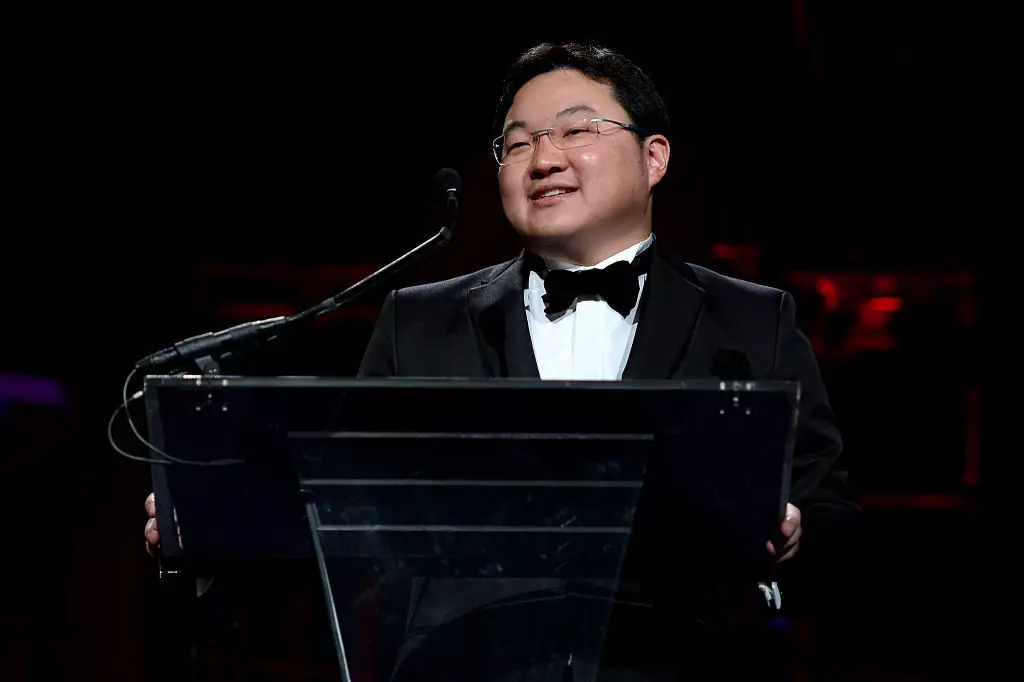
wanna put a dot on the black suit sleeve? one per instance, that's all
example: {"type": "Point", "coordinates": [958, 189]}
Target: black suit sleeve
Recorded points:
{"type": "Point", "coordinates": [820, 482]}
{"type": "Point", "coordinates": [381, 356]}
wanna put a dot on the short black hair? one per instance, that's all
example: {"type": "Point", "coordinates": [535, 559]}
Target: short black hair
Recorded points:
{"type": "Point", "coordinates": [630, 86]}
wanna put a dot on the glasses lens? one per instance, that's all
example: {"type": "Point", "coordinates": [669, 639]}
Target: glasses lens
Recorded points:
{"type": "Point", "coordinates": [574, 133]}
{"type": "Point", "coordinates": [498, 149]}
{"type": "Point", "coordinates": [513, 146]}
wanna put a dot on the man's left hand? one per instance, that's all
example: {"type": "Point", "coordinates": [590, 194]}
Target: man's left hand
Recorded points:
{"type": "Point", "coordinates": [792, 531]}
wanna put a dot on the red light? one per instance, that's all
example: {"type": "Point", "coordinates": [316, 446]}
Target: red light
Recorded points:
{"type": "Point", "coordinates": [829, 292]}
{"type": "Point", "coordinates": [724, 251]}
{"type": "Point", "coordinates": [885, 304]}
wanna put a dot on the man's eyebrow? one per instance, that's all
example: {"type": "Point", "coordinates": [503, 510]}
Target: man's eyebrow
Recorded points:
{"type": "Point", "coordinates": [513, 125]}
{"type": "Point", "coordinates": [575, 109]}
{"type": "Point", "coordinates": [568, 111]}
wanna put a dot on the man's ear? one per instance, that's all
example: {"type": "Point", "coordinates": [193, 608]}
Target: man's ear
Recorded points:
{"type": "Point", "coordinates": [657, 151]}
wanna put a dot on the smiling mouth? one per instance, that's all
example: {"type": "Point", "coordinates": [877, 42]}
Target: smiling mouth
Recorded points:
{"type": "Point", "coordinates": [552, 194]}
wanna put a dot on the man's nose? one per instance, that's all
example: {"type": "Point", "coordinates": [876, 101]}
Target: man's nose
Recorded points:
{"type": "Point", "coordinates": [547, 158]}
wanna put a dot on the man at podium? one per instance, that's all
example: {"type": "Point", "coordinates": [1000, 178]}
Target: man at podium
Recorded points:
{"type": "Point", "coordinates": [580, 145]}
{"type": "Point", "coordinates": [580, 149]}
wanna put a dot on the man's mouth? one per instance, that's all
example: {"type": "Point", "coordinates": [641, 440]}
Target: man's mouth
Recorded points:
{"type": "Point", "coordinates": [551, 195]}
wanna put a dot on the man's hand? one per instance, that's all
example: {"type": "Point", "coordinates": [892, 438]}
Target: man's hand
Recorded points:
{"type": "Point", "coordinates": [151, 532]}
{"type": "Point", "coordinates": [792, 531]}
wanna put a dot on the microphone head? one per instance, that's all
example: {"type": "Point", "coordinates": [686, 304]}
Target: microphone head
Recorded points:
{"type": "Point", "coordinates": [448, 183]}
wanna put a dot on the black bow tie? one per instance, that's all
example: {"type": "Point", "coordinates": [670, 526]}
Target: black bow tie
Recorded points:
{"type": "Point", "coordinates": [617, 284]}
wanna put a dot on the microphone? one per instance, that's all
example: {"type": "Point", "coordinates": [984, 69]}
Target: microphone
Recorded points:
{"type": "Point", "coordinates": [207, 344]}
{"type": "Point", "coordinates": [449, 185]}
{"type": "Point", "coordinates": [446, 181]}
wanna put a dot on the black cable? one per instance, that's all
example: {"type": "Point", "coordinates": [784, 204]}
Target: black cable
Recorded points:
{"type": "Point", "coordinates": [113, 444]}
{"type": "Point", "coordinates": [166, 458]}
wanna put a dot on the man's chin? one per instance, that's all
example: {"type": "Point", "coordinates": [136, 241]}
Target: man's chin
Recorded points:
{"type": "Point", "coordinates": [550, 234]}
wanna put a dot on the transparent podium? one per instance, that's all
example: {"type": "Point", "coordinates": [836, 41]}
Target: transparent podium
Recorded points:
{"type": "Point", "coordinates": [476, 529]}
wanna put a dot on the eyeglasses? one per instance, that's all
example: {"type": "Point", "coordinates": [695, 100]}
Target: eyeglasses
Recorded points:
{"type": "Point", "coordinates": [520, 145]}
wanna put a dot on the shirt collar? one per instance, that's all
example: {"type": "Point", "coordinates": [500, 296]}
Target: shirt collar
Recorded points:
{"type": "Point", "coordinates": [626, 254]}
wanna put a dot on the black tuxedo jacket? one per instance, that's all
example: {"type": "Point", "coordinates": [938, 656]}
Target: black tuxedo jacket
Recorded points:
{"type": "Point", "coordinates": [693, 323]}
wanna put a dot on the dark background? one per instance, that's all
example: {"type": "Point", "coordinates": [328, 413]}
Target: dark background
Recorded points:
{"type": "Point", "coordinates": [162, 182]}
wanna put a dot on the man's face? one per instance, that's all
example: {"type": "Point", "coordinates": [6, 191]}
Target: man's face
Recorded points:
{"type": "Point", "coordinates": [608, 182]}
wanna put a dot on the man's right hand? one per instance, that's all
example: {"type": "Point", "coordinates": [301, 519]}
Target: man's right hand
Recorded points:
{"type": "Point", "coordinates": [151, 532]}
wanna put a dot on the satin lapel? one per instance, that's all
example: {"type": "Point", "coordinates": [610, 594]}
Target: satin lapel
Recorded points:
{"type": "Point", "coordinates": [670, 310]}
{"type": "Point", "coordinates": [498, 317]}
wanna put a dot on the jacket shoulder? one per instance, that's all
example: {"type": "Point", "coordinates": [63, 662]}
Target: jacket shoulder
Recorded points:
{"type": "Point", "coordinates": [736, 290]}
{"type": "Point", "coordinates": [455, 287]}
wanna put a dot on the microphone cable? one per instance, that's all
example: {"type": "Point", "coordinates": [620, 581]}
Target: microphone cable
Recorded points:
{"type": "Point", "coordinates": [162, 457]}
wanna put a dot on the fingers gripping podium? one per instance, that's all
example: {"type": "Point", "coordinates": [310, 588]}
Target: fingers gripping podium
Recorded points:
{"type": "Point", "coordinates": [486, 528]}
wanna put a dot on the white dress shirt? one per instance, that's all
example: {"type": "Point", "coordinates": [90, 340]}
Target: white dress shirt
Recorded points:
{"type": "Point", "coordinates": [590, 340]}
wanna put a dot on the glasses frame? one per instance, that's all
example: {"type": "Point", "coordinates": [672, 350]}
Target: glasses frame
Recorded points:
{"type": "Point", "coordinates": [535, 139]}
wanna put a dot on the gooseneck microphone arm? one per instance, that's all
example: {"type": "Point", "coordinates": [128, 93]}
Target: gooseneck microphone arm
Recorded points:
{"type": "Point", "coordinates": [204, 349]}
{"type": "Point", "coordinates": [370, 281]}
